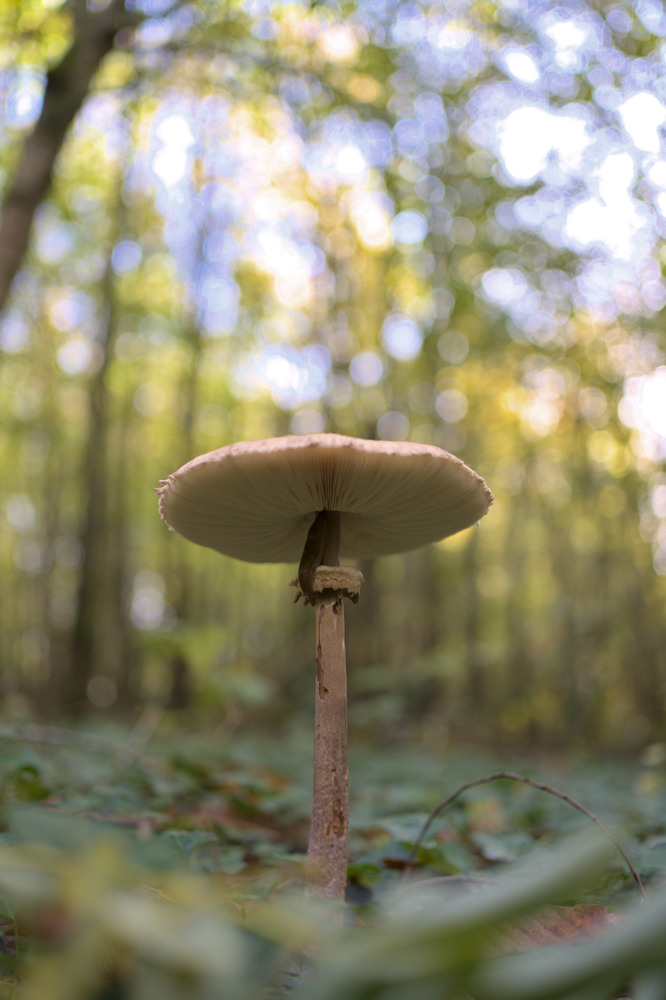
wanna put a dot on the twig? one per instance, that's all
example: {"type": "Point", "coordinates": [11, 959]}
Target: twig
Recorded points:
{"type": "Point", "coordinates": [511, 776]}
{"type": "Point", "coordinates": [144, 729]}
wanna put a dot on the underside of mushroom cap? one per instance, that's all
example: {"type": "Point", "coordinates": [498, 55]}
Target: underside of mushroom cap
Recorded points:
{"type": "Point", "coordinates": [256, 500]}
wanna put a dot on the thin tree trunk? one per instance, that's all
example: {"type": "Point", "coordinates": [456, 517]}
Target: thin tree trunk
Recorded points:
{"type": "Point", "coordinates": [123, 659]}
{"type": "Point", "coordinates": [645, 654]}
{"type": "Point", "coordinates": [181, 681]}
{"type": "Point", "coordinates": [67, 85]}
{"type": "Point", "coordinates": [518, 678]}
{"type": "Point", "coordinates": [475, 677]}
{"type": "Point", "coordinates": [88, 638]}
{"type": "Point", "coordinates": [93, 576]}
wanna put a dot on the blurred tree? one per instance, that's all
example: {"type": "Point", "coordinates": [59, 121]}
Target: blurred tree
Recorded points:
{"type": "Point", "coordinates": [92, 29]}
{"type": "Point", "coordinates": [99, 637]}
{"type": "Point", "coordinates": [397, 221]}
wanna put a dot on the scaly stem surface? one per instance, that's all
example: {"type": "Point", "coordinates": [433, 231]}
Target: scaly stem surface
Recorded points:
{"type": "Point", "coordinates": [329, 828]}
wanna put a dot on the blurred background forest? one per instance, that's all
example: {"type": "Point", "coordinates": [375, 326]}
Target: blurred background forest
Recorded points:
{"type": "Point", "coordinates": [427, 221]}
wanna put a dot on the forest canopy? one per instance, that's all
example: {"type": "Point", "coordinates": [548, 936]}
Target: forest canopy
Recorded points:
{"type": "Point", "coordinates": [436, 222]}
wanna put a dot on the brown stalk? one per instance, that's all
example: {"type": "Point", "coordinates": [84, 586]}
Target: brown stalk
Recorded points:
{"type": "Point", "coordinates": [326, 870]}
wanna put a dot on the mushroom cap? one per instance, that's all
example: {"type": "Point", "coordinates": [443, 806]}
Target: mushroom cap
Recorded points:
{"type": "Point", "coordinates": [256, 500]}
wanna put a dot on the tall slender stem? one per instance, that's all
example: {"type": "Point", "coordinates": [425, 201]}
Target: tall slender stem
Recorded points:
{"type": "Point", "coordinates": [329, 829]}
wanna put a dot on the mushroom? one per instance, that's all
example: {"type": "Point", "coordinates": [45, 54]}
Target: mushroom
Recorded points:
{"type": "Point", "coordinates": [313, 498]}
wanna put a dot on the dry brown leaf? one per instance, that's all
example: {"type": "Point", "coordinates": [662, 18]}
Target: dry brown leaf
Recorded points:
{"type": "Point", "coordinates": [554, 925]}
{"type": "Point", "coordinates": [209, 815]}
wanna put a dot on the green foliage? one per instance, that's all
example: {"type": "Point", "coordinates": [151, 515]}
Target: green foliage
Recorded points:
{"type": "Point", "coordinates": [181, 877]}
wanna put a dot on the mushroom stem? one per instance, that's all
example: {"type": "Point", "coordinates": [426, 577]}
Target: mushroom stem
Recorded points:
{"type": "Point", "coordinates": [326, 871]}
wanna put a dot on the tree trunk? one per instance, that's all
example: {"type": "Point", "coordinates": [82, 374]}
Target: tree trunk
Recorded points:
{"type": "Point", "coordinates": [179, 667]}
{"type": "Point", "coordinates": [67, 86]}
{"type": "Point", "coordinates": [98, 612]}
{"type": "Point", "coordinates": [475, 676]}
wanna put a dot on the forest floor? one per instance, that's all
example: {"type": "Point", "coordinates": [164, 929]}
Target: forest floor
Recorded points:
{"type": "Point", "coordinates": [230, 804]}
{"type": "Point", "coordinates": [233, 813]}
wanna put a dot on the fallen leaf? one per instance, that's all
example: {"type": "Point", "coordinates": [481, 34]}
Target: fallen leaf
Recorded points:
{"type": "Point", "coordinates": [554, 925]}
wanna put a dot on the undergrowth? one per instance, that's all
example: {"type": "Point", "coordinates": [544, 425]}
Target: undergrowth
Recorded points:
{"type": "Point", "coordinates": [176, 873]}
